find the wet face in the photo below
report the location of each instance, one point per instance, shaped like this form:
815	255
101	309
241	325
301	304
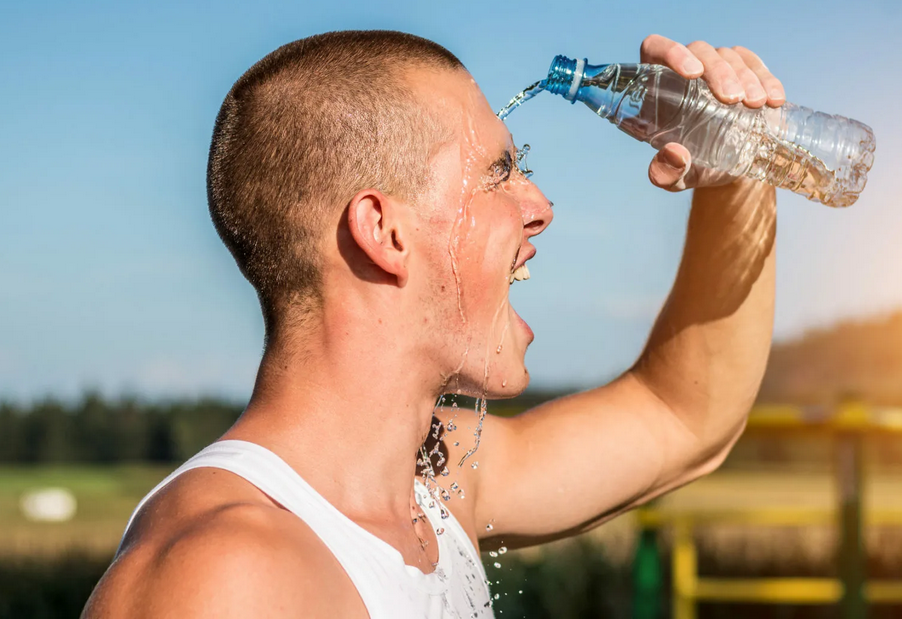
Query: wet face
483	216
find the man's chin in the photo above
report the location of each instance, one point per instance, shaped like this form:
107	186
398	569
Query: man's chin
508	389
497	389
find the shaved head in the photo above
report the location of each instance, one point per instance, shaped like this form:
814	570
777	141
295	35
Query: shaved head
299	134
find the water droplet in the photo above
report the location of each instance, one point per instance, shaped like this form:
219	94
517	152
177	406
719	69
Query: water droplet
475	465
504	383
415	520
439	530
451	426
498	350
456	444
520	591
489	527
502	550
497	595
454	486
445	472
492	553
498	565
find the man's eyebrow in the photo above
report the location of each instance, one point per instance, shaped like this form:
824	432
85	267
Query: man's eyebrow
502	159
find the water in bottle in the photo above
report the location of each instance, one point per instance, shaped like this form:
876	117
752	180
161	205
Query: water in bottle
821	156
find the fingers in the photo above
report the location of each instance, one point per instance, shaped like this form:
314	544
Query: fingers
755	96
670	167
656	49
776	96
720	76
733	74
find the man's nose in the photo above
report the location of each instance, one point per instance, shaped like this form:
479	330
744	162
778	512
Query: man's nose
536	210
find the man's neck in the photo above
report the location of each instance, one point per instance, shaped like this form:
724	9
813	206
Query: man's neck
348	413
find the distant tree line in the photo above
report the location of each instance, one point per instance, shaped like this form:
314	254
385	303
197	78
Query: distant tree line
95	429
98	430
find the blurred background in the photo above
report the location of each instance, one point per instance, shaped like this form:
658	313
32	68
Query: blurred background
129	340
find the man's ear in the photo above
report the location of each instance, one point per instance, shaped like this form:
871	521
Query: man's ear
377	224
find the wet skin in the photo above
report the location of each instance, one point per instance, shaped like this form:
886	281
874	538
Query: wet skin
347	398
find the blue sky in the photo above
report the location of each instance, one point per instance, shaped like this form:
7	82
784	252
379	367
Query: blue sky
112	277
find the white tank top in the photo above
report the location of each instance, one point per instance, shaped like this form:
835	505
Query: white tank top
390	589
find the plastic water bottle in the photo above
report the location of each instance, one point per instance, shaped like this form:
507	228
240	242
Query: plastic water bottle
820	156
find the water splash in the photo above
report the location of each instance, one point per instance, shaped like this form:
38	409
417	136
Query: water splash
482	409
525	95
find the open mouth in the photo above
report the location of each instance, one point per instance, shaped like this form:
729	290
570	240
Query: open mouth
519	272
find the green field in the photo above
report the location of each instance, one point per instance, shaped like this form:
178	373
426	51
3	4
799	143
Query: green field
106	496
48	569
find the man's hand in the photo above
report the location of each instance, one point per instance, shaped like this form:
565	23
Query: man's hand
577	461
734	75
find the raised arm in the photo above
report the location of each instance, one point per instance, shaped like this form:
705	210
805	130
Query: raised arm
573	463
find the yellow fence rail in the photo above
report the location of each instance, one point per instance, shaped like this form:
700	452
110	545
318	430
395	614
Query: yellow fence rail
689	589
847	424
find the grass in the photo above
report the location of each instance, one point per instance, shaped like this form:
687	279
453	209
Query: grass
45	567
106	496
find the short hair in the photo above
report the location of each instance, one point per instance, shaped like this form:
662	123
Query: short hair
299	134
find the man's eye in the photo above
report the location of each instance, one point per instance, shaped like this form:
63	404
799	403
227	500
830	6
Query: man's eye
501	171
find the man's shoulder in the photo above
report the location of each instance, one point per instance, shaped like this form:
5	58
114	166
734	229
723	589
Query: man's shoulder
212	545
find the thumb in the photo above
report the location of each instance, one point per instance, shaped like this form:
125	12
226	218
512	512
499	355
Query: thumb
669	167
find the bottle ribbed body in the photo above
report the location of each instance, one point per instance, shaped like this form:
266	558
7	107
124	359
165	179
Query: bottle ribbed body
821	156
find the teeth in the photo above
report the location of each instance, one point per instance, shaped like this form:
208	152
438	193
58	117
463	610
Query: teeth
519	274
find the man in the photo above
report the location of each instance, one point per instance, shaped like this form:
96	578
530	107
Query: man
372	198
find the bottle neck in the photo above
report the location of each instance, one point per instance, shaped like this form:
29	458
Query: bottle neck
565	77
601	87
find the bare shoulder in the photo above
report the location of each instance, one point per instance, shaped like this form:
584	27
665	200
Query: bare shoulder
212	545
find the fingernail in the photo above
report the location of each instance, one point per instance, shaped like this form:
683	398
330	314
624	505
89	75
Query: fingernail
692	65
776	94
732	90
673	159
754	93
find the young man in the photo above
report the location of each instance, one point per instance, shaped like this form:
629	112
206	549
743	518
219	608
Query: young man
373	200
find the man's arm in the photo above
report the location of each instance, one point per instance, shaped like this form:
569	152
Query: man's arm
573	463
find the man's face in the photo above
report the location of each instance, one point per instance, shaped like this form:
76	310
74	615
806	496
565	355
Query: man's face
482	215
